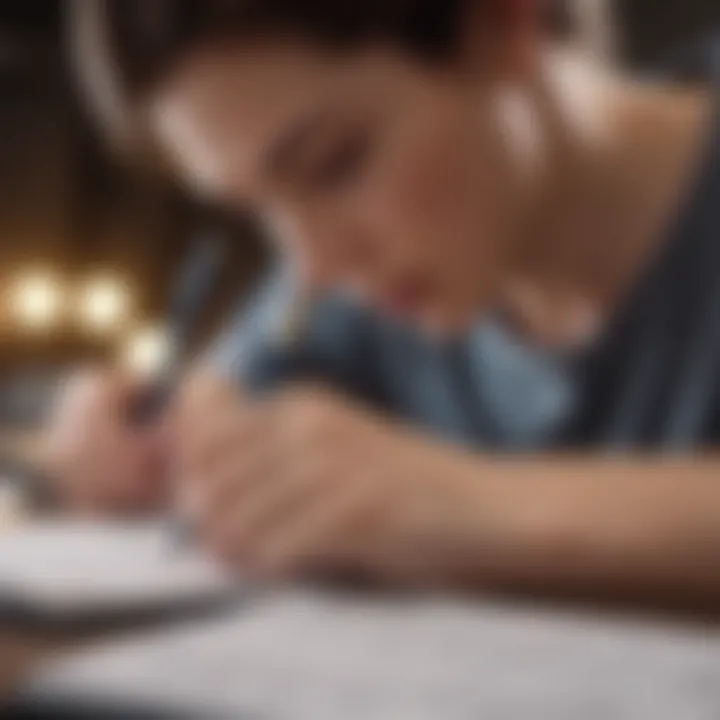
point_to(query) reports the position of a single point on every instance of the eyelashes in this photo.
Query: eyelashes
(341, 165)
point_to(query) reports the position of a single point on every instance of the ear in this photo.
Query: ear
(502, 38)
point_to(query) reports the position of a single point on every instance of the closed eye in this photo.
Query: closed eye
(338, 166)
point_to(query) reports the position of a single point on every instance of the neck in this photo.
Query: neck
(618, 157)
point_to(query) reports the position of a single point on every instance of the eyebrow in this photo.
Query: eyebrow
(283, 153)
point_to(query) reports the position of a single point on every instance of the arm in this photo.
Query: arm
(643, 528)
(312, 483)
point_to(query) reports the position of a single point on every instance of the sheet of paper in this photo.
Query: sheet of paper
(73, 568)
(311, 657)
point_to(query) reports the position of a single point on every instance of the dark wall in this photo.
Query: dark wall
(655, 28)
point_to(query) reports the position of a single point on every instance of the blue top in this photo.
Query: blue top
(651, 381)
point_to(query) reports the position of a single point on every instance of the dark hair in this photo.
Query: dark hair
(147, 38)
(123, 48)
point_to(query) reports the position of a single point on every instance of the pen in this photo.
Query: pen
(196, 286)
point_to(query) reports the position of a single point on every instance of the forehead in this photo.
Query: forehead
(224, 107)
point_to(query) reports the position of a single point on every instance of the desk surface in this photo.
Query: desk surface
(23, 653)
(23, 650)
(19, 656)
(20, 653)
(323, 656)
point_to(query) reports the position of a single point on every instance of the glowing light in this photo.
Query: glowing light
(146, 350)
(104, 305)
(37, 301)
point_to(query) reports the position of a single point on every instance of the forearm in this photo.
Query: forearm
(647, 528)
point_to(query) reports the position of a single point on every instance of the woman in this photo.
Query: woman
(506, 242)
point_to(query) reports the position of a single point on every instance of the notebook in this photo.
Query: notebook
(309, 656)
(69, 572)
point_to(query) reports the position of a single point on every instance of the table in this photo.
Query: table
(25, 645)
(19, 656)
(311, 654)
(23, 652)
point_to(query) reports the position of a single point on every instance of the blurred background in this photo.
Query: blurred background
(88, 249)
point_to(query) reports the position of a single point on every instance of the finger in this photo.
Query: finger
(200, 396)
(325, 537)
(238, 452)
(216, 496)
(212, 432)
(276, 502)
(210, 435)
(201, 387)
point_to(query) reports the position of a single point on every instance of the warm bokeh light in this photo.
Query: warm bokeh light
(37, 300)
(104, 305)
(146, 350)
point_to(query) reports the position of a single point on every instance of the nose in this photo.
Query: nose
(328, 249)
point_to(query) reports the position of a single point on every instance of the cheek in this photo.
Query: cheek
(426, 191)
(424, 184)
(438, 197)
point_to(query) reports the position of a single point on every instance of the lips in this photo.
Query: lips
(407, 298)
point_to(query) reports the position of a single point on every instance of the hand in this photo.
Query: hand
(307, 483)
(95, 460)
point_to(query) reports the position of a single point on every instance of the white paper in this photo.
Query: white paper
(72, 568)
(311, 657)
